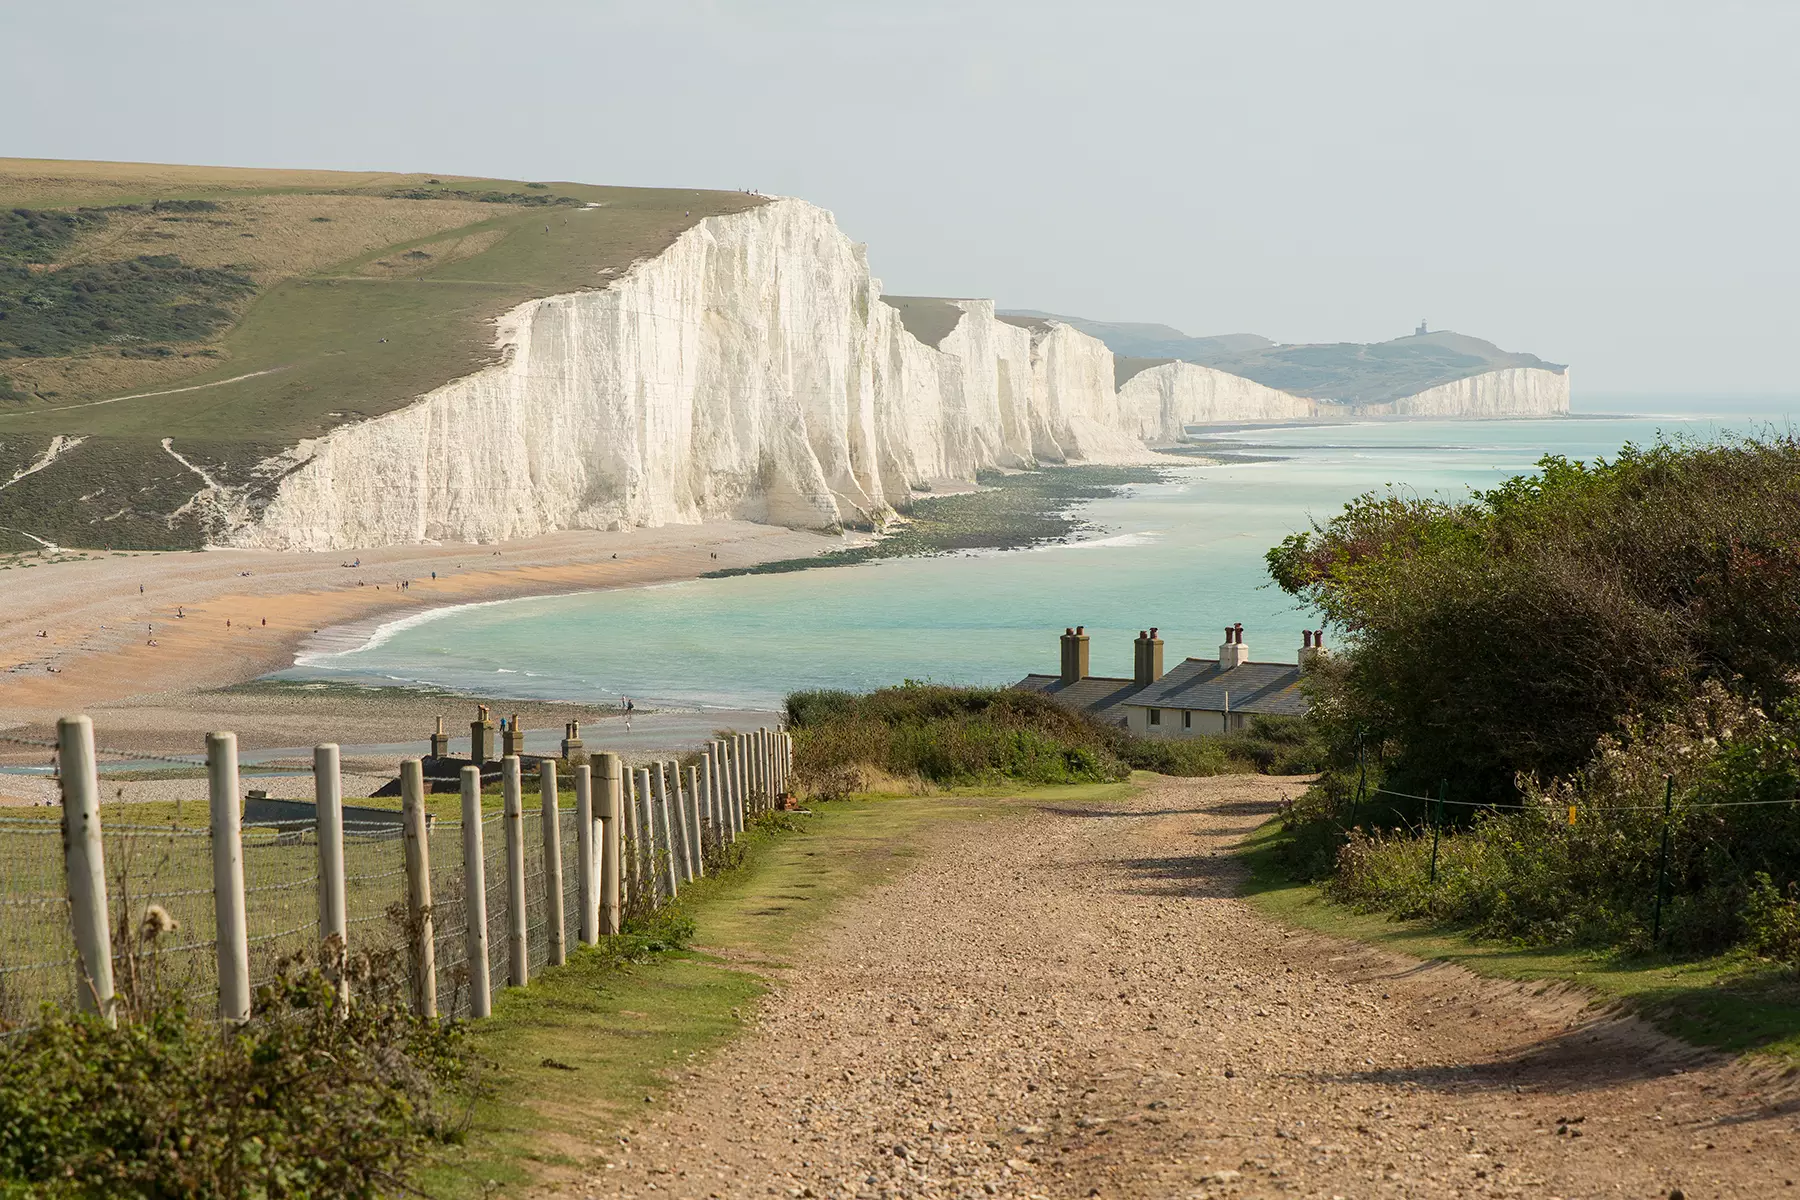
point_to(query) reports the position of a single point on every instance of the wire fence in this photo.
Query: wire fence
(166, 886)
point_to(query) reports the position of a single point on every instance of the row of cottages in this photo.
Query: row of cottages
(1201, 696)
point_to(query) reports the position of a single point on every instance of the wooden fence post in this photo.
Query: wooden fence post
(611, 852)
(632, 835)
(587, 894)
(554, 928)
(690, 812)
(328, 826)
(481, 988)
(740, 784)
(85, 864)
(709, 797)
(665, 830)
(643, 828)
(518, 965)
(420, 937)
(229, 922)
(681, 793)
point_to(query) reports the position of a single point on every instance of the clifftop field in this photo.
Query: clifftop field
(241, 310)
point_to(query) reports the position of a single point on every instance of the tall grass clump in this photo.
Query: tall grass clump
(949, 735)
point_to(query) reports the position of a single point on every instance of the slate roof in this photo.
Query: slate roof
(1096, 695)
(1272, 689)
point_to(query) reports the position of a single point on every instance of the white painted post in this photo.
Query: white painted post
(665, 828)
(418, 888)
(328, 826)
(481, 988)
(611, 918)
(84, 861)
(761, 761)
(555, 931)
(643, 828)
(518, 966)
(587, 894)
(690, 812)
(229, 922)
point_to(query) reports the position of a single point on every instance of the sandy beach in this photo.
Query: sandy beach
(143, 642)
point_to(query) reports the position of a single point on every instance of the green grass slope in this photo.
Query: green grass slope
(238, 311)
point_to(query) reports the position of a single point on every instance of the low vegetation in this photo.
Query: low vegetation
(947, 736)
(309, 1098)
(1569, 711)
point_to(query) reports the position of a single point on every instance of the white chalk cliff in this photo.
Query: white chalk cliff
(751, 370)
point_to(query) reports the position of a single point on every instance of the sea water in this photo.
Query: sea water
(1185, 556)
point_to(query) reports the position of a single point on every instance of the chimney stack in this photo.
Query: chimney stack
(1074, 654)
(1233, 652)
(481, 737)
(1312, 647)
(440, 741)
(1147, 658)
(512, 737)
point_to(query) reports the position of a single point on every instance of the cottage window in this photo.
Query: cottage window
(1156, 716)
(1187, 719)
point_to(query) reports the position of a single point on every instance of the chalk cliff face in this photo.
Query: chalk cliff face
(1164, 399)
(1510, 392)
(749, 371)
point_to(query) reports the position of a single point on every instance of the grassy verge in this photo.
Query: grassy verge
(1732, 1002)
(584, 1048)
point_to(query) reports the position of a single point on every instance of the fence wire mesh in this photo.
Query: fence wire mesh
(449, 917)
(37, 954)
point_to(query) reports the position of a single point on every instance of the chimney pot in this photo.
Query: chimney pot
(1153, 631)
(1319, 638)
(1069, 631)
(1306, 639)
(1080, 629)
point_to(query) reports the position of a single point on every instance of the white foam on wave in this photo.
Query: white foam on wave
(359, 637)
(1145, 538)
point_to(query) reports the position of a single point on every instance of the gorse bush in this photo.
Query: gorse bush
(949, 735)
(309, 1099)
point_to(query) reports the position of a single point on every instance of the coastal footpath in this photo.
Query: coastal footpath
(752, 371)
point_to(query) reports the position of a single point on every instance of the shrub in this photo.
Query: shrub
(950, 735)
(308, 1099)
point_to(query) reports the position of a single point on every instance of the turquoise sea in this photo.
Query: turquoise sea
(1185, 556)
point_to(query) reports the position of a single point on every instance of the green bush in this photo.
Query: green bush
(964, 735)
(1503, 637)
(152, 298)
(308, 1099)
(1533, 875)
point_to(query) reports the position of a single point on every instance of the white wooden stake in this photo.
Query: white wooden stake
(611, 852)
(665, 829)
(229, 922)
(481, 988)
(85, 863)
(418, 887)
(690, 812)
(554, 929)
(631, 835)
(709, 798)
(739, 785)
(644, 829)
(518, 965)
(586, 889)
(683, 796)
(328, 826)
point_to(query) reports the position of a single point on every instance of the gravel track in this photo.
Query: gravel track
(1074, 1004)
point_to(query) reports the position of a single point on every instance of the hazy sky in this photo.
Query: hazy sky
(1609, 183)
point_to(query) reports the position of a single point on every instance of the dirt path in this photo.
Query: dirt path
(1073, 1005)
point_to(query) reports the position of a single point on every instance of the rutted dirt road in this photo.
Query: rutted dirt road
(1072, 1004)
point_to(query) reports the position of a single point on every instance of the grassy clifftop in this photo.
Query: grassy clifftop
(236, 311)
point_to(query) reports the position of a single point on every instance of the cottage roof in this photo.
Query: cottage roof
(1095, 695)
(1271, 689)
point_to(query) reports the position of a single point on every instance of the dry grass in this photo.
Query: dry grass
(418, 259)
(58, 183)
